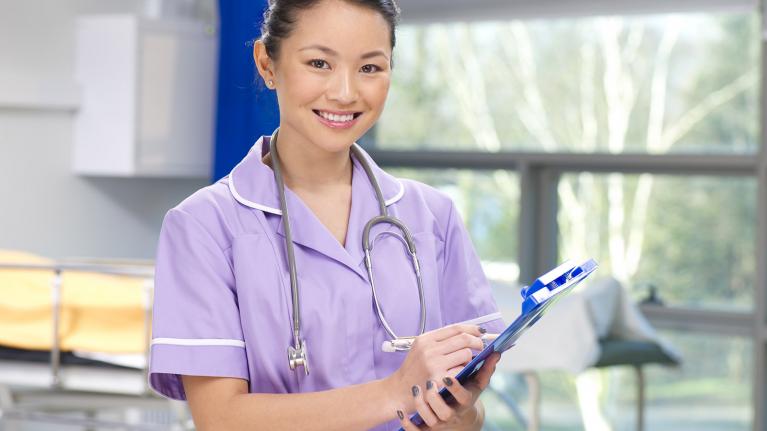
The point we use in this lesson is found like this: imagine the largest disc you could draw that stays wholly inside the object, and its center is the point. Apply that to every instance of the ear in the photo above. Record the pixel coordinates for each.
(264, 64)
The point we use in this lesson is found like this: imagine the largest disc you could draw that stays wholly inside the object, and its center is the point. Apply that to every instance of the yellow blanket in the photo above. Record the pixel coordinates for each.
(99, 313)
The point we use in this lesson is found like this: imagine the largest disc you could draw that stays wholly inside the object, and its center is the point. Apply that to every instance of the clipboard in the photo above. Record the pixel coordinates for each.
(545, 291)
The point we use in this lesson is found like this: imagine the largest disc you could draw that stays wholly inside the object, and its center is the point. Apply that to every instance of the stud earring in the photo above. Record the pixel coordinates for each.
(271, 83)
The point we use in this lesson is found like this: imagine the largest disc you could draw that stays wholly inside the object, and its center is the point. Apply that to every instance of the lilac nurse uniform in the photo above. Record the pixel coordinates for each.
(222, 304)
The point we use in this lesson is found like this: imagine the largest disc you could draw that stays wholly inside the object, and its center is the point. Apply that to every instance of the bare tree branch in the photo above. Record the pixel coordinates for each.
(710, 103)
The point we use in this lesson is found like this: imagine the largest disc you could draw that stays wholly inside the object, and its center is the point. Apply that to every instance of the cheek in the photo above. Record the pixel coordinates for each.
(302, 88)
(377, 92)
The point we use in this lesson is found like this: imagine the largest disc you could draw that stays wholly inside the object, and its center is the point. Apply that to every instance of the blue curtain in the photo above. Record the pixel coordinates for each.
(246, 110)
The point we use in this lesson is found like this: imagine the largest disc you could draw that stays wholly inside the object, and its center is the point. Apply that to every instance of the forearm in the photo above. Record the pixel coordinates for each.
(349, 408)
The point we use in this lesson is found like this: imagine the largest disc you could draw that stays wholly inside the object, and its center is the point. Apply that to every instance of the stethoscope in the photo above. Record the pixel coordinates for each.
(297, 355)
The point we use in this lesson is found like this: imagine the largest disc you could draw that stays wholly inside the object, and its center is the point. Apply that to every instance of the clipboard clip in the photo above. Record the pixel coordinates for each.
(551, 283)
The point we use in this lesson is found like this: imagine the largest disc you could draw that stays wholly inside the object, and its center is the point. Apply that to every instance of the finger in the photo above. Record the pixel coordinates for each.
(458, 342)
(482, 379)
(454, 371)
(457, 358)
(405, 422)
(438, 405)
(422, 407)
(452, 330)
(462, 395)
(489, 338)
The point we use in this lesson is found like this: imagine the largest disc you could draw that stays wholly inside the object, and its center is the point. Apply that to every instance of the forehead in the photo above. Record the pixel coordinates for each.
(341, 26)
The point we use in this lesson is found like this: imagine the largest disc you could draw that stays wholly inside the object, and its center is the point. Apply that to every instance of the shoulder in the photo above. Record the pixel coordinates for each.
(211, 209)
(423, 198)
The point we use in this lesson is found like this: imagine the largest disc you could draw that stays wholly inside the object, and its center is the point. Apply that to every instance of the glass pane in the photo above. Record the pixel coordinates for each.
(488, 202)
(692, 237)
(678, 83)
(711, 391)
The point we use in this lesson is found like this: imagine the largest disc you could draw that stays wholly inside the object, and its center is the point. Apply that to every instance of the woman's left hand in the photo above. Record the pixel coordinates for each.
(437, 414)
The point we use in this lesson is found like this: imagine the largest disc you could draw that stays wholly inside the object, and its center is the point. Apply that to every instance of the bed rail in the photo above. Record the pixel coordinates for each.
(135, 269)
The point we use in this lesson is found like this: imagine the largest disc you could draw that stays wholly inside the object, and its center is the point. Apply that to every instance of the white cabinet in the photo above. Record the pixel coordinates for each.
(148, 97)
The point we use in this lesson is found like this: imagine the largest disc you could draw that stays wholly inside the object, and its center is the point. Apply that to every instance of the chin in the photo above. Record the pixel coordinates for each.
(334, 141)
(335, 145)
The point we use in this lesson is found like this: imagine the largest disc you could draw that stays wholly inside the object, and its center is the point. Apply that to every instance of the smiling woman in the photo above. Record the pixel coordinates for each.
(331, 78)
(231, 258)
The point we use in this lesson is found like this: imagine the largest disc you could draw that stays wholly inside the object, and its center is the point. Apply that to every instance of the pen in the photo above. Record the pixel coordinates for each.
(405, 343)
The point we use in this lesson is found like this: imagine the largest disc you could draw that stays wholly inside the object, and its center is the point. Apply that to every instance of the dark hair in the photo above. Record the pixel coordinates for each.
(281, 15)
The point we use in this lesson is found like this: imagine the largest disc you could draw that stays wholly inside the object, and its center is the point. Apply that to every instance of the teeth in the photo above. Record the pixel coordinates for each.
(336, 118)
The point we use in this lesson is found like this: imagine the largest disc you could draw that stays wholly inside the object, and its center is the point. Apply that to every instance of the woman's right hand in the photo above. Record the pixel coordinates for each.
(433, 356)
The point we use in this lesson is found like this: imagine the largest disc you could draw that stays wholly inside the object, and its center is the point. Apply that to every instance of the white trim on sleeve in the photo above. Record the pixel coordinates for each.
(198, 342)
(480, 320)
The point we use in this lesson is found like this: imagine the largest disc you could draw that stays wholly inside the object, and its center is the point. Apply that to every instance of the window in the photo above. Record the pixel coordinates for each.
(690, 236)
(642, 84)
(634, 140)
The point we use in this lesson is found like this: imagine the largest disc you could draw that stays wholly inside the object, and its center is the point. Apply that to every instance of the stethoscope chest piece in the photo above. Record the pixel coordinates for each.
(297, 357)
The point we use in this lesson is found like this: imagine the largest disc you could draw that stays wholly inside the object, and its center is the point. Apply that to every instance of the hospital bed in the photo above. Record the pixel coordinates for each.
(74, 343)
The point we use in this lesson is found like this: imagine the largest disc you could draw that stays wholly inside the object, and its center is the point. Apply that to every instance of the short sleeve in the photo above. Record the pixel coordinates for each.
(196, 322)
(465, 291)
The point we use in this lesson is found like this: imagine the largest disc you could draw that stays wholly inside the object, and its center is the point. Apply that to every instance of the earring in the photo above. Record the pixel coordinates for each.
(271, 84)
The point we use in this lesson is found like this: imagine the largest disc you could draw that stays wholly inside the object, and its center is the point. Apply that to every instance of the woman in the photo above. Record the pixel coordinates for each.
(224, 301)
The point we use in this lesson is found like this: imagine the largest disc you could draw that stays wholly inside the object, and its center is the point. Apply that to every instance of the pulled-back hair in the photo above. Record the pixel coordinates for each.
(281, 16)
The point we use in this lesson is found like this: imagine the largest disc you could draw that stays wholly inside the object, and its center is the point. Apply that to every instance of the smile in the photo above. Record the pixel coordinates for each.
(336, 121)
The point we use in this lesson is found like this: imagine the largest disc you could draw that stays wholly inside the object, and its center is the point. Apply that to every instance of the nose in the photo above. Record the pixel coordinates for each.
(343, 87)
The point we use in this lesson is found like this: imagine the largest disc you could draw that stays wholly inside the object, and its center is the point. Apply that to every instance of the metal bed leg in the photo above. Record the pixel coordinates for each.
(6, 404)
(510, 403)
(534, 389)
(56, 318)
(640, 396)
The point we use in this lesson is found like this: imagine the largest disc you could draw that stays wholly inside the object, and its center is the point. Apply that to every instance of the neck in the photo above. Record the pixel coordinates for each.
(308, 167)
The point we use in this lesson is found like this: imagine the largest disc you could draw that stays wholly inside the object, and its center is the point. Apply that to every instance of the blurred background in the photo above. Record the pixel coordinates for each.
(628, 132)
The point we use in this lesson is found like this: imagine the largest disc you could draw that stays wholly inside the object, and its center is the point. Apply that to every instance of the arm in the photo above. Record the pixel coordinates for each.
(224, 404)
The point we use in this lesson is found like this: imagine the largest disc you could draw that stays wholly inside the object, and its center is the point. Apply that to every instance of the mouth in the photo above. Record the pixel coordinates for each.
(336, 121)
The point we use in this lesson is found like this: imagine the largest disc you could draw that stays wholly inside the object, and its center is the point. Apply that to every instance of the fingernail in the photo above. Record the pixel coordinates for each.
(415, 391)
(400, 414)
(482, 330)
(448, 381)
(429, 384)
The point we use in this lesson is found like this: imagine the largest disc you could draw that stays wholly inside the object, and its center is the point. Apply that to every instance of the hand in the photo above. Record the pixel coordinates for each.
(433, 355)
(463, 415)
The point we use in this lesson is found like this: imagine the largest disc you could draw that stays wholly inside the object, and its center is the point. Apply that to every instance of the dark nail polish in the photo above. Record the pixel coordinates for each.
(415, 391)
(400, 414)
(482, 330)
(448, 381)
(429, 384)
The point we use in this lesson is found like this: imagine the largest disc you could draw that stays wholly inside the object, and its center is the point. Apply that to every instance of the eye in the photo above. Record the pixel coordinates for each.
(371, 68)
(317, 63)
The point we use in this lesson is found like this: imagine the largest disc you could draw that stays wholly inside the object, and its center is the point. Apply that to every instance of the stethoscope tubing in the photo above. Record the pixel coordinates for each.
(297, 354)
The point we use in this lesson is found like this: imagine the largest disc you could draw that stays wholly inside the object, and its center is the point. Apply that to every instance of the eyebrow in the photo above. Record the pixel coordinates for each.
(329, 51)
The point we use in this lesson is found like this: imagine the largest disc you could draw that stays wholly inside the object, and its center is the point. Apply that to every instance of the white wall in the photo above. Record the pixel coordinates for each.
(44, 207)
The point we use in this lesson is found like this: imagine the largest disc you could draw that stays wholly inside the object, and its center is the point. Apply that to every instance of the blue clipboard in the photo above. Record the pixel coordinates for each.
(537, 298)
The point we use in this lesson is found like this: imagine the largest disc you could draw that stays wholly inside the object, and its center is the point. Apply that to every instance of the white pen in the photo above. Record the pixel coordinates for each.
(404, 344)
